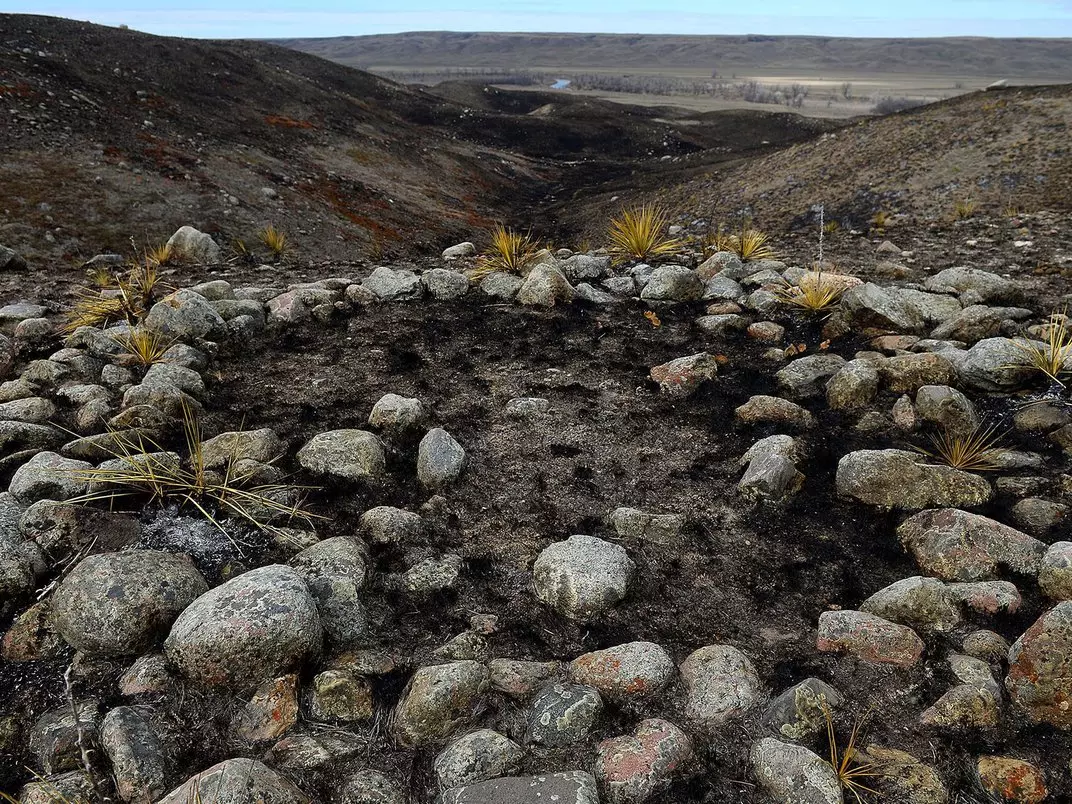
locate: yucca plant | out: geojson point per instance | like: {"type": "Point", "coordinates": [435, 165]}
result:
{"type": "Point", "coordinates": [813, 293]}
{"type": "Point", "coordinates": [639, 234]}
{"type": "Point", "coordinates": [1051, 357]}
{"type": "Point", "coordinates": [144, 347]}
{"type": "Point", "coordinates": [274, 240]}
{"type": "Point", "coordinates": [975, 451]}
{"type": "Point", "coordinates": [853, 775]}
{"type": "Point", "coordinates": [146, 471]}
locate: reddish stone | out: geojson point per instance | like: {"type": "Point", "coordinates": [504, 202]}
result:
{"type": "Point", "coordinates": [682, 376]}
{"type": "Point", "coordinates": [868, 637]}
{"type": "Point", "coordinates": [1012, 780]}
{"type": "Point", "coordinates": [630, 769]}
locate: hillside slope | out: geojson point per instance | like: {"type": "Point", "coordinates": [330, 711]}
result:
{"type": "Point", "coordinates": [1000, 58]}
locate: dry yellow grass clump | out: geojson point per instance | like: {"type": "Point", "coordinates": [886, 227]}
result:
{"type": "Point", "coordinates": [639, 234]}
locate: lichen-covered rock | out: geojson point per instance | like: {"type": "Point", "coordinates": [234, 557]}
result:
{"type": "Point", "coordinates": [632, 670]}
{"type": "Point", "coordinates": [394, 412]}
{"type": "Point", "coordinates": [569, 787]}
{"type": "Point", "coordinates": [139, 761]}
{"type": "Point", "coordinates": [185, 316]}
{"type": "Point", "coordinates": [257, 626]}
{"type": "Point", "coordinates": [545, 286]}
{"type": "Point", "coordinates": [673, 283]}
{"type": "Point", "coordinates": [918, 602]}
{"type": "Point", "coordinates": [444, 285]}
{"type": "Point", "coordinates": [904, 778]}
{"type": "Point", "coordinates": [113, 604]}
{"type": "Point", "coordinates": [807, 376]}
{"type": "Point", "coordinates": [762, 409]}
{"type": "Point", "coordinates": [633, 768]}
{"type": "Point", "coordinates": [961, 546]}
{"type": "Point", "coordinates": [854, 385]}
{"type": "Point", "coordinates": [335, 570]}
{"type": "Point", "coordinates": [437, 700]}
{"type": "Point", "coordinates": [49, 476]}
{"type": "Point", "coordinates": [1011, 780]}
{"type": "Point", "coordinates": [582, 576]}
{"type": "Point", "coordinates": [1055, 575]}
{"type": "Point", "coordinates": [722, 685]}
{"type": "Point", "coordinates": [440, 459]}
{"type": "Point", "coordinates": [390, 285]}
{"type": "Point", "coordinates": [520, 678]}
{"type": "Point", "coordinates": [791, 774]}
{"type": "Point", "coordinates": [948, 408]}
{"type": "Point", "coordinates": [385, 524]}
{"type": "Point", "coordinates": [476, 757]}
{"type": "Point", "coordinates": [351, 455]}
{"type": "Point", "coordinates": [682, 376]}
{"type": "Point", "coordinates": [237, 781]}
{"type": "Point", "coordinates": [193, 245]}
{"type": "Point", "coordinates": [632, 523]}
{"type": "Point", "coordinates": [799, 713]}
{"type": "Point", "coordinates": [563, 714]}
{"type": "Point", "coordinates": [870, 307]}
{"type": "Point", "coordinates": [893, 478]}
{"type": "Point", "coordinates": [1040, 668]}
{"type": "Point", "coordinates": [868, 637]}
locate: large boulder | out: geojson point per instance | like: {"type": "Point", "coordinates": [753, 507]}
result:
{"type": "Point", "coordinates": [114, 604]}
{"type": "Point", "coordinates": [673, 283]}
{"type": "Point", "coordinates": [894, 478]}
{"type": "Point", "coordinates": [1040, 668]}
{"type": "Point", "coordinates": [50, 476]}
{"type": "Point", "coordinates": [185, 316]}
{"type": "Point", "coordinates": [870, 307]}
{"type": "Point", "coordinates": [961, 546]}
{"type": "Point", "coordinates": [255, 627]}
{"type": "Point", "coordinates": [545, 286]}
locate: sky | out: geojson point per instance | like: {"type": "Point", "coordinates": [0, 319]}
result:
{"type": "Point", "coordinates": [300, 18]}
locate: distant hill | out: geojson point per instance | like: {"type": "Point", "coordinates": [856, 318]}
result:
{"type": "Point", "coordinates": [1049, 59]}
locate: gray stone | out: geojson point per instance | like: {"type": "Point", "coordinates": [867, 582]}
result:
{"type": "Point", "coordinates": [992, 364]}
{"type": "Point", "coordinates": [390, 285]}
{"type": "Point", "coordinates": [336, 570]}
{"type": "Point", "coordinates": [1055, 576]}
{"type": "Point", "coordinates": [870, 307]}
{"type": "Point", "coordinates": [191, 245]}
{"type": "Point", "coordinates": [973, 285]}
{"type": "Point", "coordinates": [594, 295]}
{"type": "Point", "coordinates": [894, 478]}
{"type": "Point", "coordinates": [48, 475]}
{"type": "Point", "coordinates": [262, 446]}
{"type": "Point", "coordinates": [527, 407]}
{"type": "Point", "coordinates": [632, 523]}
{"type": "Point", "coordinates": [57, 738]}
{"type": "Point", "coordinates": [581, 267]}
{"type": "Point", "coordinates": [961, 546]}
{"type": "Point", "coordinates": [433, 575]}
{"type": "Point", "coordinates": [259, 625]}
{"type": "Point", "coordinates": [923, 603]}
{"type": "Point", "coordinates": [987, 597]}
{"type": "Point", "coordinates": [722, 686]}
{"type": "Point", "coordinates": [10, 260]}
{"type": "Point", "coordinates": [867, 637]}
{"type": "Point", "coordinates": [854, 385]}
{"type": "Point", "coordinates": [186, 380]}
{"type": "Point", "coordinates": [185, 316]}
{"type": "Point", "coordinates": [582, 577]}
{"type": "Point", "coordinates": [545, 286]}
{"type": "Point", "coordinates": [440, 459]}
{"type": "Point", "coordinates": [476, 757]}
{"type": "Point", "coordinates": [520, 678]}
{"type": "Point", "coordinates": [370, 787]}
{"type": "Point", "coordinates": [465, 249]}
{"type": "Point", "coordinates": [978, 321]}
{"type": "Point", "coordinates": [237, 781]}
{"type": "Point", "coordinates": [12, 314]}
{"type": "Point", "coordinates": [673, 283]}
{"type": "Point", "coordinates": [437, 700]}
{"type": "Point", "coordinates": [570, 787]}
{"type": "Point", "coordinates": [350, 455]}
{"type": "Point", "coordinates": [501, 285]}
{"type": "Point", "coordinates": [339, 697]}
{"type": "Point", "coordinates": [215, 290]}
{"type": "Point", "coordinates": [75, 787]}
{"type": "Point", "coordinates": [986, 645]}
{"type": "Point", "coordinates": [933, 308]}
{"type": "Point", "coordinates": [806, 376]}
{"type": "Point", "coordinates": [907, 373]}
{"type": "Point", "coordinates": [562, 715]}
{"type": "Point", "coordinates": [799, 713]}
{"type": "Point", "coordinates": [791, 774]}
{"type": "Point", "coordinates": [34, 410]}
{"type": "Point", "coordinates": [1039, 516]}
{"type": "Point", "coordinates": [723, 263]}
{"type": "Point", "coordinates": [763, 409]}
{"type": "Point", "coordinates": [948, 408]}
{"type": "Point", "coordinates": [113, 604]}
{"type": "Point", "coordinates": [394, 412]}
{"type": "Point", "coordinates": [139, 762]}
{"type": "Point", "coordinates": [443, 285]}
{"type": "Point", "coordinates": [620, 285]}
{"type": "Point", "coordinates": [770, 474]}
{"type": "Point", "coordinates": [385, 524]}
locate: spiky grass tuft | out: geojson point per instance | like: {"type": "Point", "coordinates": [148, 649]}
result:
{"type": "Point", "coordinates": [146, 471]}
{"type": "Point", "coordinates": [638, 234]}
{"type": "Point", "coordinates": [92, 309]}
{"type": "Point", "coordinates": [853, 775]}
{"type": "Point", "coordinates": [241, 251]}
{"type": "Point", "coordinates": [964, 208]}
{"type": "Point", "coordinates": [144, 347]}
{"type": "Point", "coordinates": [813, 293]}
{"type": "Point", "coordinates": [880, 220]}
{"type": "Point", "coordinates": [509, 251]}
{"type": "Point", "coordinates": [100, 277]}
{"type": "Point", "coordinates": [974, 451]}
{"type": "Point", "coordinates": [274, 240]}
{"type": "Point", "coordinates": [719, 240]}
{"type": "Point", "coordinates": [1052, 357]}
{"type": "Point", "coordinates": [162, 254]}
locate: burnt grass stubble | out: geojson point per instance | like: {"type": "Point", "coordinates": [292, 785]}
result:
{"type": "Point", "coordinates": [756, 576]}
